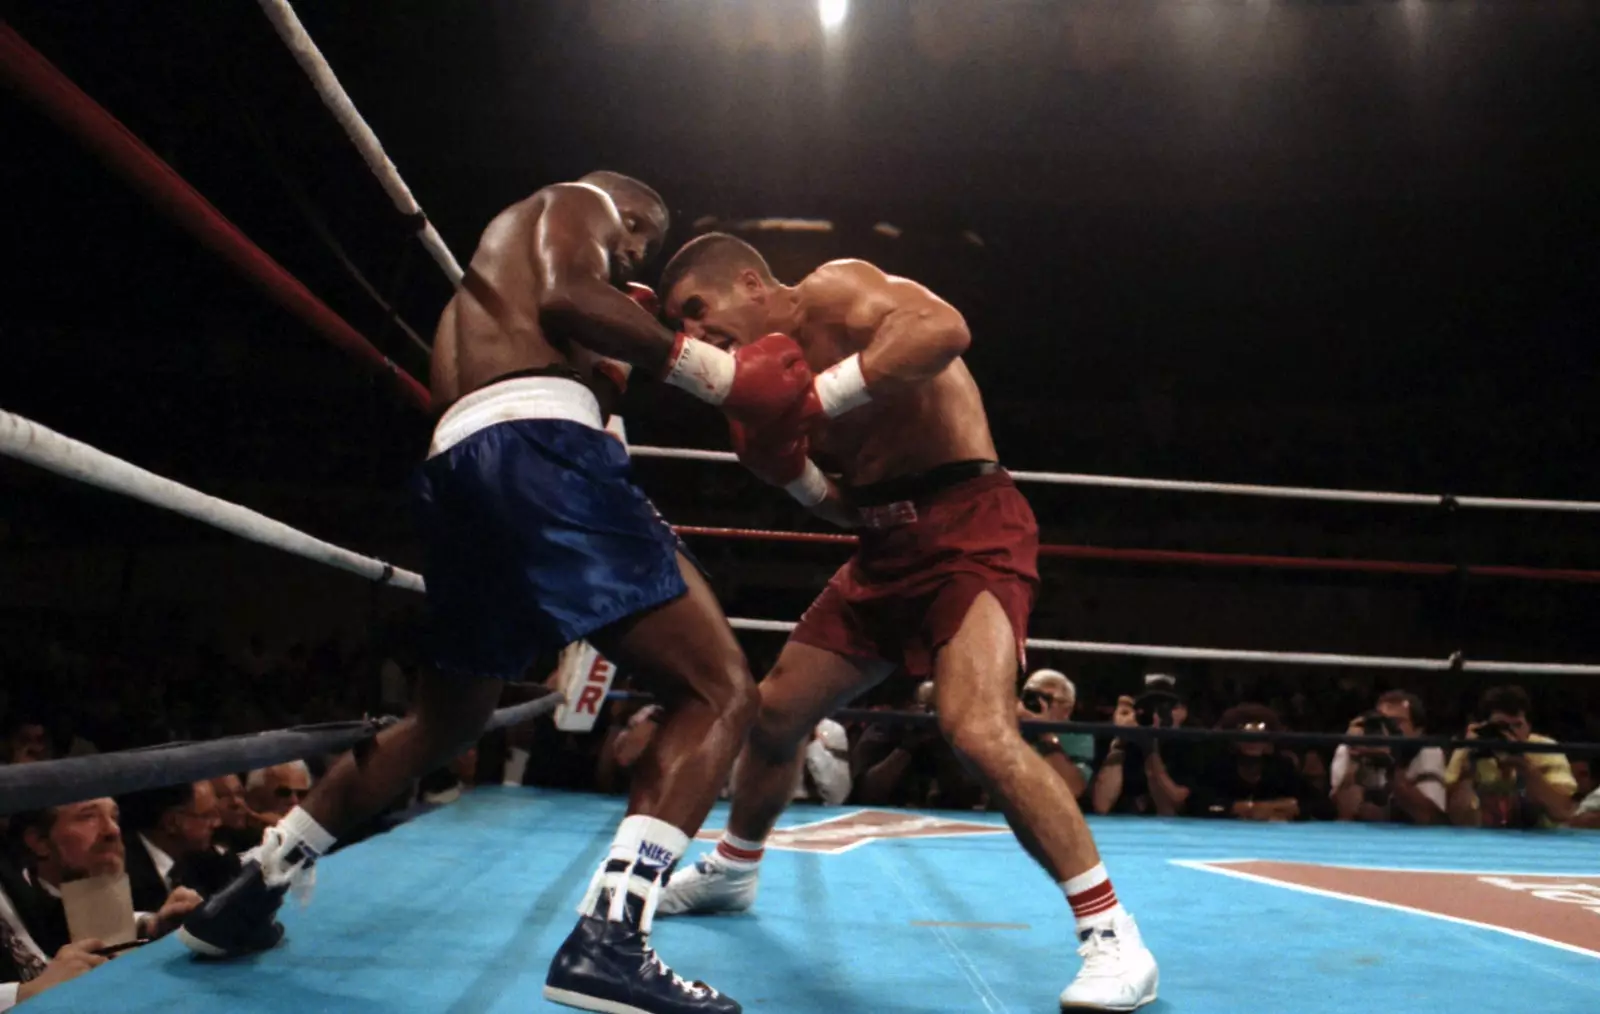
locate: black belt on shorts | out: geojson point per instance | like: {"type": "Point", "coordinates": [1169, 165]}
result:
{"type": "Point", "coordinates": [911, 488]}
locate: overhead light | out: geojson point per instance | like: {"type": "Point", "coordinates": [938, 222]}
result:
{"type": "Point", "coordinates": [832, 12]}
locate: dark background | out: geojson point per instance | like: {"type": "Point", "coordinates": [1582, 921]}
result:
{"type": "Point", "coordinates": [1339, 244]}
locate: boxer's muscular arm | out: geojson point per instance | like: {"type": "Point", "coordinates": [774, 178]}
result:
{"type": "Point", "coordinates": [906, 334]}
{"type": "Point", "coordinates": [571, 255]}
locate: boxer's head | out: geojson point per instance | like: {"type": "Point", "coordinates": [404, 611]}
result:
{"type": "Point", "coordinates": [722, 291]}
{"type": "Point", "coordinates": [644, 222]}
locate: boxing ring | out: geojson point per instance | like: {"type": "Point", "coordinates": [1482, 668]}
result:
{"type": "Point", "coordinates": [860, 910]}
{"type": "Point", "coordinates": [459, 910]}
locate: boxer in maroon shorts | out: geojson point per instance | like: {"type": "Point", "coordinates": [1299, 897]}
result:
{"type": "Point", "coordinates": [941, 585]}
{"type": "Point", "coordinates": [929, 547]}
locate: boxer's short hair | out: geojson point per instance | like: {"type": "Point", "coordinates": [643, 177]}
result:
{"type": "Point", "coordinates": [714, 254]}
{"type": "Point", "coordinates": [615, 183]}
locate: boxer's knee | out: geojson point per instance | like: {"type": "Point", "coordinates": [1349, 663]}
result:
{"type": "Point", "coordinates": [982, 742]}
{"type": "Point", "coordinates": [730, 690]}
{"type": "Point", "coordinates": [778, 731]}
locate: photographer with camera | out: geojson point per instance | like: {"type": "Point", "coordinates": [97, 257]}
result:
{"type": "Point", "coordinates": [1493, 789]}
{"type": "Point", "coordinates": [1048, 696]}
{"type": "Point", "coordinates": [1148, 776]}
{"type": "Point", "coordinates": [1375, 783]}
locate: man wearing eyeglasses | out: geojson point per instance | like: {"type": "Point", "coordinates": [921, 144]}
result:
{"type": "Point", "coordinates": [1048, 696]}
{"type": "Point", "coordinates": [166, 827]}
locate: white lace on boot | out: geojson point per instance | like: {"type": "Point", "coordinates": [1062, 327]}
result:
{"type": "Point", "coordinates": [1119, 973]}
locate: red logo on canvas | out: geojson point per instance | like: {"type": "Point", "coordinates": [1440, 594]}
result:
{"type": "Point", "coordinates": [852, 830]}
{"type": "Point", "coordinates": [1562, 910]}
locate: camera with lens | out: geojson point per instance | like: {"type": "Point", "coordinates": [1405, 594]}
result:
{"type": "Point", "coordinates": [1376, 723]}
{"type": "Point", "coordinates": [1492, 730]}
{"type": "Point", "coordinates": [1154, 705]}
{"type": "Point", "coordinates": [1033, 700]}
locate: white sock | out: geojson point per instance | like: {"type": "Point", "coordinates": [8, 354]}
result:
{"type": "Point", "coordinates": [516, 767]}
{"type": "Point", "coordinates": [641, 854]}
{"type": "Point", "coordinates": [1093, 899]}
{"type": "Point", "coordinates": [295, 841]}
{"type": "Point", "coordinates": [739, 853]}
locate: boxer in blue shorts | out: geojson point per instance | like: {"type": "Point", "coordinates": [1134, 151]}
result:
{"type": "Point", "coordinates": [537, 537]}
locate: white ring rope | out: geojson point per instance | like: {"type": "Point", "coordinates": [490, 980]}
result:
{"type": "Point", "coordinates": [1237, 655]}
{"type": "Point", "coordinates": [311, 60]}
{"type": "Point", "coordinates": [28, 441]}
{"type": "Point", "coordinates": [338, 102]}
{"type": "Point", "coordinates": [1229, 488]}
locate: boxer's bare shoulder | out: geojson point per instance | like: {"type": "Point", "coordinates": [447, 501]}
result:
{"type": "Point", "coordinates": [492, 326]}
{"type": "Point", "coordinates": [926, 408]}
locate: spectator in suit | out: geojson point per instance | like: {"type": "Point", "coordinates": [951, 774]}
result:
{"type": "Point", "coordinates": [166, 830]}
{"type": "Point", "coordinates": [66, 843]}
{"type": "Point", "coordinates": [26, 970]}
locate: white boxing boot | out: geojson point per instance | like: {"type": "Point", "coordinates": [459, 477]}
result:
{"type": "Point", "coordinates": [712, 884]}
{"type": "Point", "coordinates": [1118, 974]}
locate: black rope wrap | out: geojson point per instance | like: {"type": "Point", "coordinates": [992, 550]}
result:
{"type": "Point", "coordinates": [54, 783]}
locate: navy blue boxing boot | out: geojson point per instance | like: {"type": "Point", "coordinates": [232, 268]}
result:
{"type": "Point", "coordinates": [240, 919]}
{"type": "Point", "coordinates": [607, 964]}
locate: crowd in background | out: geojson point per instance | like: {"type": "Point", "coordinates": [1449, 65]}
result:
{"type": "Point", "coordinates": [65, 697]}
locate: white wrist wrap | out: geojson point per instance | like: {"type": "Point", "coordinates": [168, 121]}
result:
{"type": "Point", "coordinates": [842, 387]}
{"type": "Point", "coordinates": [811, 488]}
{"type": "Point", "coordinates": [702, 369]}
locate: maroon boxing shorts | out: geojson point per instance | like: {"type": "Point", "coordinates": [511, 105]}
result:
{"type": "Point", "coordinates": [930, 545]}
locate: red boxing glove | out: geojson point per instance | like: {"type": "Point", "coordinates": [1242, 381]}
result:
{"type": "Point", "coordinates": [779, 455]}
{"type": "Point", "coordinates": [770, 377]}
{"type": "Point", "coordinates": [645, 296]}
{"type": "Point", "coordinates": [757, 384]}
{"type": "Point", "coordinates": [775, 457]}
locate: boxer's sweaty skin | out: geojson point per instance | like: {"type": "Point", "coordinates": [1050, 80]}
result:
{"type": "Point", "coordinates": [500, 319]}
{"type": "Point", "coordinates": [903, 432]}
{"type": "Point", "coordinates": [912, 423]}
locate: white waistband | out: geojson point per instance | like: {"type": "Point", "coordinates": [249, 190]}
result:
{"type": "Point", "coordinates": [517, 398]}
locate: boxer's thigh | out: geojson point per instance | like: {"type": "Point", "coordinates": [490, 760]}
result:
{"type": "Point", "coordinates": [681, 646]}
{"type": "Point", "coordinates": [809, 683]}
{"type": "Point", "coordinates": [975, 671]}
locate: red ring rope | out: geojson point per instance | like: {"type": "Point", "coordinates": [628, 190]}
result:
{"type": "Point", "coordinates": [1202, 559]}
{"type": "Point", "coordinates": [67, 104]}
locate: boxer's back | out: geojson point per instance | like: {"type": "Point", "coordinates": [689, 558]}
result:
{"type": "Point", "coordinates": [905, 433]}
{"type": "Point", "coordinates": [491, 326]}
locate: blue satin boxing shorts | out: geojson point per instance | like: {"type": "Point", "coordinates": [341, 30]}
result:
{"type": "Point", "coordinates": [535, 535]}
